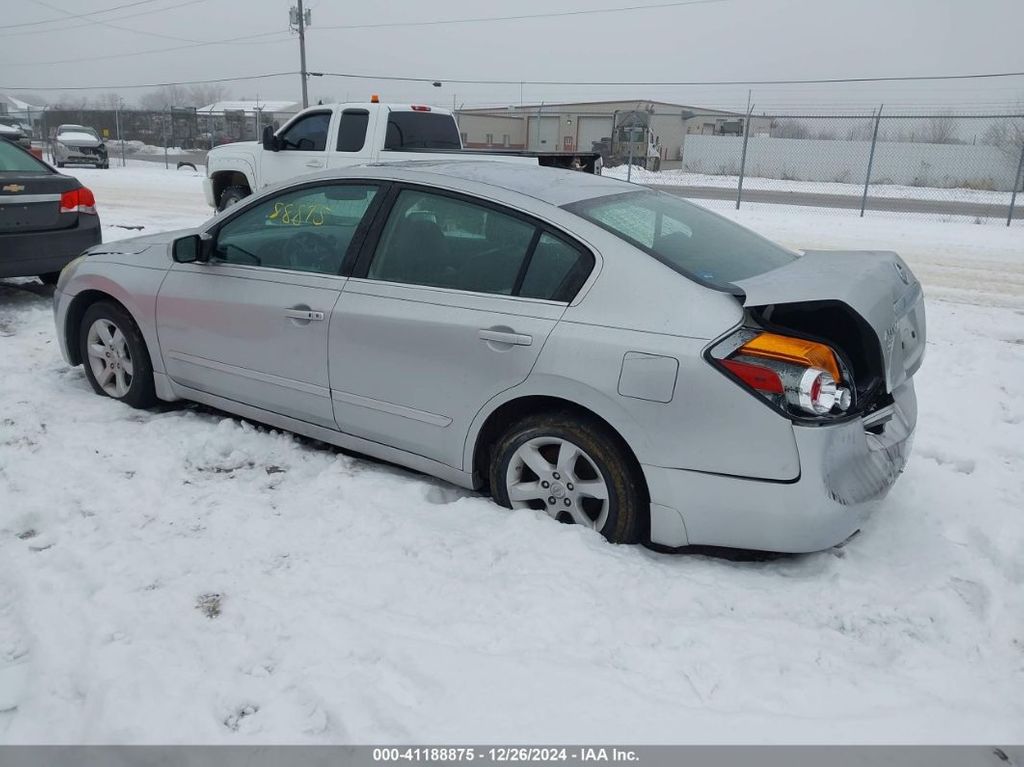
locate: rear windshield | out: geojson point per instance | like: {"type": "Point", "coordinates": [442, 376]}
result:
{"type": "Point", "coordinates": [692, 240]}
{"type": "Point", "coordinates": [421, 130]}
{"type": "Point", "coordinates": [15, 159]}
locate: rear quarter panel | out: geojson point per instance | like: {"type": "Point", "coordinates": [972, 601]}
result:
{"type": "Point", "coordinates": [634, 308]}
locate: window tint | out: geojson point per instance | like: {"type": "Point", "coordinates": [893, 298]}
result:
{"type": "Point", "coordinates": [308, 230]}
{"type": "Point", "coordinates": [693, 241]}
{"type": "Point", "coordinates": [352, 130]}
{"type": "Point", "coordinates": [557, 270]}
{"type": "Point", "coordinates": [309, 134]}
{"type": "Point", "coordinates": [449, 243]}
{"type": "Point", "coordinates": [13, 158]}
{"type": "Point", "coordinates": [421, 130]}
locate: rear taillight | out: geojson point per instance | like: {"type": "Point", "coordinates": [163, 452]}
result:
{"type": "Point", "coordinates": [799, 376]}
{"type": "Point", "coordinates": [80, 200]}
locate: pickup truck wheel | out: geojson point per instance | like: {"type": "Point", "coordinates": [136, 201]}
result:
{"type": "Point", "coordinates": [231, 196]}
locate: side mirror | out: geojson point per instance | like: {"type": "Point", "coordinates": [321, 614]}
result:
{"type": "Point", "coordinates": [270, 142]}
{"type": "Point", "coordinates": [196, 248]}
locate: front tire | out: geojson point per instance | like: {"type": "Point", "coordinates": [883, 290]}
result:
{"type": "Point", "coordinates": [232, 196]}
{"type": "Point", "coordinates": [576, 470]}
{"type": "Point", "coordinates": [114, 355]}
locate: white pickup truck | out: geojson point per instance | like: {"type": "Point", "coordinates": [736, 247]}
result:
{"type": "Point", "coordinates": [340, 135]}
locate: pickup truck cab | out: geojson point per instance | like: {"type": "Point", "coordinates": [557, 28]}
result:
{"type": "Point", "coordinates": [340, 135]}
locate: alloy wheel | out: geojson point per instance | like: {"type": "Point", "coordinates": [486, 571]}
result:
{"type": "Point", "coordinates": [110, 358]}
{"type": "Point", "coordinates": [555, 475]}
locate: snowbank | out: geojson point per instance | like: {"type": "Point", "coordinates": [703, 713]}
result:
{"type": "Point", "coordinates": [178, 575]}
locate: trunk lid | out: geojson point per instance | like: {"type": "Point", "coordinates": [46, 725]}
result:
{"type": "Point", "coordinates": [877, 285]}
{"type": "Point", "coordinates": [30, 202]}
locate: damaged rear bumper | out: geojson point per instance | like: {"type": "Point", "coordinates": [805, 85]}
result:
{"type": "Point", "coordinates": [844, 469]}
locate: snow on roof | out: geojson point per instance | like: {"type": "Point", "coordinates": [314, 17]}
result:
{"type": "Point", "coordinates": [17, 105]}
{"type": "Point", "coordinates": [251, 106]}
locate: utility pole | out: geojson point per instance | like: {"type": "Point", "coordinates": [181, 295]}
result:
{"type": "Point", "coordinates": [300, 19]}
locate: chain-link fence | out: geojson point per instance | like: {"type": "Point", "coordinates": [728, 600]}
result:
{"type": "Point", "coordinates": [947, 166]}
{"type": "Point", "coordinates": [170, 136]}
{"type": "Point", "coordinates": [953, 167]}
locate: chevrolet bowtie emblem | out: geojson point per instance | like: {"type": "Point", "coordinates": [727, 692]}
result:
{"type": "Point", "coordinates": [14, 188]}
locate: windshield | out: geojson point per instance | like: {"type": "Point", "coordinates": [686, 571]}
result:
{"type": "Point", "coordinates": [688, 238]}
{"type": "Point", "coordinates": [14, 159]}
{"type": "Point", "coordinates": [68, 130]}
{"type": "Point", "coordinates": [421, 130]}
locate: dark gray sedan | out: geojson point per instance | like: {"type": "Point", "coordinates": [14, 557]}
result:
{"type": "Point", "coordinates": [46, 218]}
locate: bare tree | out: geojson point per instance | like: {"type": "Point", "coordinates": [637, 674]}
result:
{"type": "Point", "coordinates": [1007, 135]}
{"type": "Point", "coordinates": [789, 129]}
{"type": "Point", "coordinates": [108, 101]}
{"type": "Point", "coordinates": [69, 101]}
{"type": "Point", "coordinates": [165, 97]}
{"type": "Point", "coordinates": [939, 129]}
{"type": "Point", "coordinates": [861, 131]}
{"type": "Point", "coordinates": [204, 94]}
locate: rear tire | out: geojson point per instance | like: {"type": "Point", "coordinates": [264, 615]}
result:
{"type": "Point", "coordinates": [530, 454]}
{"type": "Point", "coordinates": [232, 196]}
{"type": "Point", "coordinates": [114, 355]}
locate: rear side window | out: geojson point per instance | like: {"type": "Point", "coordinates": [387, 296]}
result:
{"type": "Point", "coordinates": [14, 159]}
{"type": "Point", "coordinates": [309, 134]}
{"type": "Point", "coordinates": [688, 238]}
{"type": "Point", "coordinates": [557, 270]}
{"type": "Point", "coordinates": [448, 242]}
{"type": "Point", "coordinates": [352, 130]}
{"type": "Point", "coordinates": [421, 130]}
{"type": "Point", "coordinates": [444, 242]}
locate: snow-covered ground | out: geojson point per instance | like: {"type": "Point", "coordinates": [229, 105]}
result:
{"type": "Point", "coordinates": [896, 191]}
{"type": "Point", "coordinates": [180, 575]}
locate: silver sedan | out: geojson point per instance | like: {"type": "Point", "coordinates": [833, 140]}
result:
{"type": "Point", "coordinates": [612, 356]}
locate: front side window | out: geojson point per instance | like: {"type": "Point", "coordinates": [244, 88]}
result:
{"type": "Point", "coordinates": [352, 130]}
{"type": "Point", "coordinates": [307, 230]}
{"type": "Point", "coordinates": [307, 134]}
{"type": "Point", "coordinates": [688, 238]}
{"type": "Point", "coordinates": [445, 242]}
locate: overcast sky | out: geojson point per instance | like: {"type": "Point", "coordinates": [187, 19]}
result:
{"type": "Point", "coordinates": [709, 40]}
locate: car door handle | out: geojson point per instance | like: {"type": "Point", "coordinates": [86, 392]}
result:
{"type": "Point", "coordinates": [505, 337]}
{"type": "Point", "coordinates": [315, 164]}
{"type": "Point", "coordinates": [304, 314]}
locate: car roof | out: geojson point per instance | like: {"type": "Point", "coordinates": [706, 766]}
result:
{"type": "Point", "coordinates": [551, 185]}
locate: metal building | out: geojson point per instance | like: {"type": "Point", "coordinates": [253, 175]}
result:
{"type": "Point", "coordinates": [584, 126]}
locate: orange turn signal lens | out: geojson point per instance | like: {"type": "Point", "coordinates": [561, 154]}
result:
{"type": "Point", "coordinates": [800, 351]}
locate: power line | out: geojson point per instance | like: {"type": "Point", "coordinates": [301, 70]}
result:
{"type": "Point", "coordinates": [102, 23]}
{"type": "Point", "coordinates": [82, 15]}
{"type": "Point", "coordinates": [197, 44]}
{"type": "Point", "coordinates": [149, 85]}
{"type": "Point", "coordinates": [662, 83]}
{"type": "Point", "coordinates": [52, 30]}
{"type": "Point", "coordinates": [521, 17]}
